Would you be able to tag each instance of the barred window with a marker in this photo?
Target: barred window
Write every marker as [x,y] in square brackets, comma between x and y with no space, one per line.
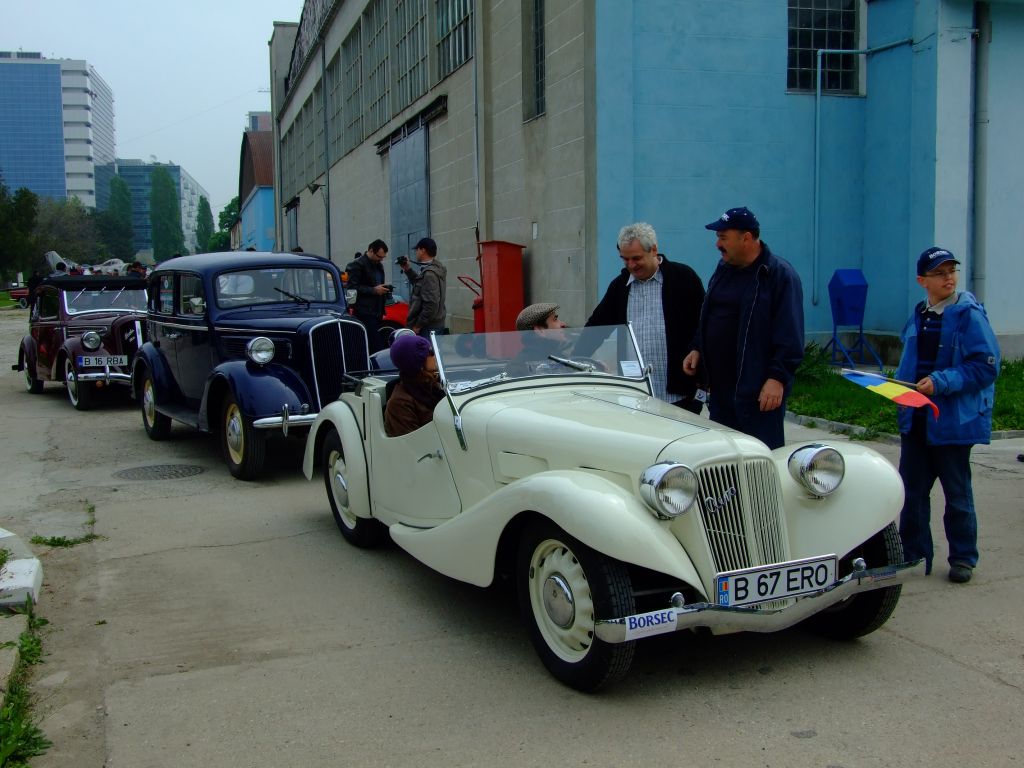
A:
[410,51]
[454,35]
[816,25]
[376,98]
[352,74]
[335,101]
[309,141]
[533,58]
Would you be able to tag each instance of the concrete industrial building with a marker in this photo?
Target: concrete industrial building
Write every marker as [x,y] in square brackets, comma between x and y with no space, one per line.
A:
[138,175]
[552,123]
[56,128]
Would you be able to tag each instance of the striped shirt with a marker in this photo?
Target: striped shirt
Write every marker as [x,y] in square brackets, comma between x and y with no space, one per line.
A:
[645,312]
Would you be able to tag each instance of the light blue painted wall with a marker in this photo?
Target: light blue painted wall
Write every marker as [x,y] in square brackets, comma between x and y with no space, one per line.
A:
[693,118]
[258,220]
[1004,173]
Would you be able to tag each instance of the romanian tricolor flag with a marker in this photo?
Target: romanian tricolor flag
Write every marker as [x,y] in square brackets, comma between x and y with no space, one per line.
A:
[898,393]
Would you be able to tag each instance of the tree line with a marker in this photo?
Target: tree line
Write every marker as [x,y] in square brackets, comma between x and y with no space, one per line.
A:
[30,226]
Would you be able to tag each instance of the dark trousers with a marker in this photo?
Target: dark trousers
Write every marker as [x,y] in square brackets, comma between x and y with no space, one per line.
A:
[373,335]
[689,404]
[748,417]
[920,465]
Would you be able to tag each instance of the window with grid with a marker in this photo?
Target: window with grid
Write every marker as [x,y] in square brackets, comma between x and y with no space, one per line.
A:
[352,83]
[335,101]
[823,24]
[318,127]
[287,165]
[454,35]
[308,141]
[410,51]
[533,58]
[378,89]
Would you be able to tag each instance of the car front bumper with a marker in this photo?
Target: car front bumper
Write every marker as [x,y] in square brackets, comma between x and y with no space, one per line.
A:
[106,376]
[286,421]
[725,619]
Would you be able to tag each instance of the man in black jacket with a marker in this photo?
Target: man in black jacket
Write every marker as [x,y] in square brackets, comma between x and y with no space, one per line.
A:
[366,277]
[751,336]
[662,299]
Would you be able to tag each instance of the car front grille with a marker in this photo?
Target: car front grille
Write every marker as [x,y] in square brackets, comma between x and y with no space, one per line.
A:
[336,347]
[739,507]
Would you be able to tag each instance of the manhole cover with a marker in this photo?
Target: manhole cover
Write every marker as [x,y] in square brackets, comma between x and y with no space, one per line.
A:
[159,472]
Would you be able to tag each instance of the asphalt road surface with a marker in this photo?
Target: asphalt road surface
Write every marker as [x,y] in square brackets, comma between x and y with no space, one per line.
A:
[218,623]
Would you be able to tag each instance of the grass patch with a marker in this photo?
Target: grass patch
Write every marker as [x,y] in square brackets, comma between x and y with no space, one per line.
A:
[63,541]
[4,555]
[820,392]
[20,737]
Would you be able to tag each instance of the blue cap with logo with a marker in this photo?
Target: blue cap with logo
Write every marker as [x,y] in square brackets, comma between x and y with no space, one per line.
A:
[742,219]
[932,258]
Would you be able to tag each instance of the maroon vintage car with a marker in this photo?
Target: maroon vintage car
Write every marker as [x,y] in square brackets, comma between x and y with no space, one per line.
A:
[83,332]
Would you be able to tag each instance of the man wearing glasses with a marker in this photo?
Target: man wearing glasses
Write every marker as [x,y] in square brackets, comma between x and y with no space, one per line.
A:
[950,350]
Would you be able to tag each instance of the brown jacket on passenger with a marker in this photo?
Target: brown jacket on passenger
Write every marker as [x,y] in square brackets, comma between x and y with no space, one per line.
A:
[410,406]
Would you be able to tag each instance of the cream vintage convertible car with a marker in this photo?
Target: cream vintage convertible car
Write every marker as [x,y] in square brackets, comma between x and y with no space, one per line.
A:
[616,516]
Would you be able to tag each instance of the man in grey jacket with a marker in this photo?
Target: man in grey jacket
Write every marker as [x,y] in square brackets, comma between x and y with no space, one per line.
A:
[427,310]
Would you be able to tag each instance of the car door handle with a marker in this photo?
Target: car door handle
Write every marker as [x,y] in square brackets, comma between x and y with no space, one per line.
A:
[433,455]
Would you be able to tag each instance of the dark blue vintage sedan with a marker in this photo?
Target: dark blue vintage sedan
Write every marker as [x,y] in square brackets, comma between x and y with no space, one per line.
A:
[244,345]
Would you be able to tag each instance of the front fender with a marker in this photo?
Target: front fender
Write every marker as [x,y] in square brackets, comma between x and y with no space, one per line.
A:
[259,390]
[869,498]
[26,353]
[601,514]
[338,416]
[150,358]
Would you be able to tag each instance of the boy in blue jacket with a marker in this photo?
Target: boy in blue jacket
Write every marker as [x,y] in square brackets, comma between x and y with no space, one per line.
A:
[949,349]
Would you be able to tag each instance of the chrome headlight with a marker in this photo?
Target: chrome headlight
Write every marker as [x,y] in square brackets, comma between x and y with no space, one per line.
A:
[668,488]
[260,350]
[818,468]
[91,340]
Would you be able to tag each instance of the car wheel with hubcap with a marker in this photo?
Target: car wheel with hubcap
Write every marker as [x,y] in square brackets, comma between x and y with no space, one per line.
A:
[243,447]
[79,393]
[865,612]
[23,303]
[360,531]
[563,587]
[158,425]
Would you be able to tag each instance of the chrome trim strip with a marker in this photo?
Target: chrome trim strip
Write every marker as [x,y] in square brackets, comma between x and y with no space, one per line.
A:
[722,619]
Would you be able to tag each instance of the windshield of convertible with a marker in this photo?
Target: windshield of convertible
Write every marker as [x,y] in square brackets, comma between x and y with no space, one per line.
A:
[81,300]
[274,285]
[474,360]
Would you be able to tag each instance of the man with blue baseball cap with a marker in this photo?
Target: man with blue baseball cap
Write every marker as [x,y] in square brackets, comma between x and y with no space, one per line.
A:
[750,339]
[950,350]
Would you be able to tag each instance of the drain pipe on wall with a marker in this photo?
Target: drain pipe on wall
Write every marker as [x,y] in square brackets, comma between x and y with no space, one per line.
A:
[327,142]
[815,248]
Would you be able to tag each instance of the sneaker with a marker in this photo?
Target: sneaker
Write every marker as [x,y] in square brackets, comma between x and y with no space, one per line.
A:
[960,574]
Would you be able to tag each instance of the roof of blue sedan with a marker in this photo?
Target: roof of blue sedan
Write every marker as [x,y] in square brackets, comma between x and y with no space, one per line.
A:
[217,262]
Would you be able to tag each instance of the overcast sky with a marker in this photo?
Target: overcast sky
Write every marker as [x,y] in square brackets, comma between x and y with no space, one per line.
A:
[184,73]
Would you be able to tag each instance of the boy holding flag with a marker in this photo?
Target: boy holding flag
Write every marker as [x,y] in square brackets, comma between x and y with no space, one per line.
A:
[949,349]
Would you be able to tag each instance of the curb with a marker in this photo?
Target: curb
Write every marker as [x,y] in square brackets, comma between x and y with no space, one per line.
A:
[839,427]
[882,437]
[22,574]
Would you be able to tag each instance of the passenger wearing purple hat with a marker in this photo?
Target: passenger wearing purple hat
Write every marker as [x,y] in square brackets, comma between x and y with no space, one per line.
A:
[411,405]
[750,339]
[949,349]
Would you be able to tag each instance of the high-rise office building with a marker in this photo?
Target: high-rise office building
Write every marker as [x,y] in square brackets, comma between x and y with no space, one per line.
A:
[56,128]
[138,175]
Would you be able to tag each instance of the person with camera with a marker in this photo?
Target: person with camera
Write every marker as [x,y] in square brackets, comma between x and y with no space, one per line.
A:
[427,310]
[366,278]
